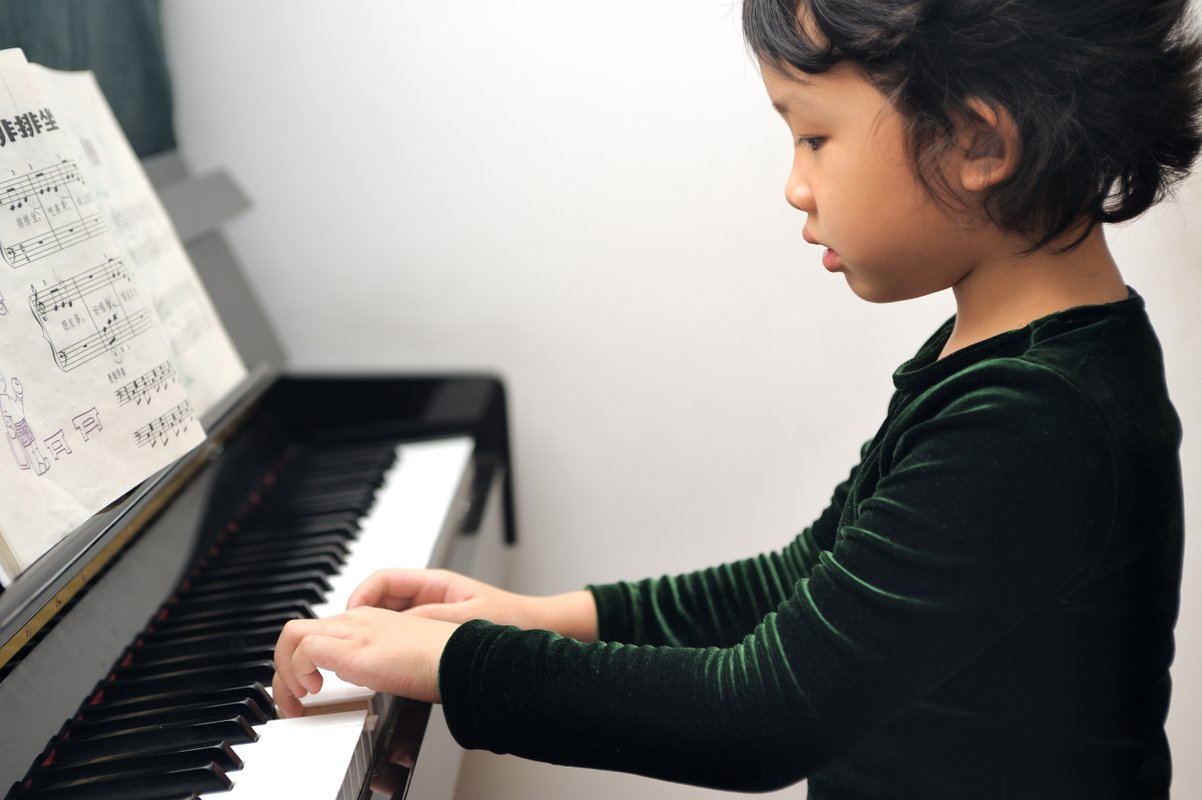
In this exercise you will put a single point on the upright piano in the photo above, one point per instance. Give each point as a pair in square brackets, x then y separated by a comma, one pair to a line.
[135, 657]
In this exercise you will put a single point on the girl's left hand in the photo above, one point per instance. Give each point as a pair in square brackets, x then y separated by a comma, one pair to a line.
[373, 647]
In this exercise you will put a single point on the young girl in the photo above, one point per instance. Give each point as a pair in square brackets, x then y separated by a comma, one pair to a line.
[985, 609]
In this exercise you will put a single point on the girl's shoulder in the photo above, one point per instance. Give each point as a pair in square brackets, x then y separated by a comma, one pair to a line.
[1089, 379]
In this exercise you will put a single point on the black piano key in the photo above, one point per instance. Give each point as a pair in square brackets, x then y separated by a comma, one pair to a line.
[346, 452]
[236, 637]
[147, 785]
[319, 483]
[201, 588]
[190, 680]
[254, 552]
[153, 738]
[250, 597]
[188, 712]
[352, 463]
[164, 632]
[277, 544]
[260, 554]
[298, 525]
[342, 522]
[104, 703]
[138, 669]
[340, 496]
[322, 563]
[189, 667]
[328, 458]
[324, 482]
[222, 755]
[297, 510]
[175, 616]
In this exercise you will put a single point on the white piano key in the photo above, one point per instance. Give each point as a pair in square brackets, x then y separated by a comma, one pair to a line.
[307, 758]
[406, 519]
[310, 756]
[401, 530]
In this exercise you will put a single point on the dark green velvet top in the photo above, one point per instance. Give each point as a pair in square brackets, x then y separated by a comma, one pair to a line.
[985, 609]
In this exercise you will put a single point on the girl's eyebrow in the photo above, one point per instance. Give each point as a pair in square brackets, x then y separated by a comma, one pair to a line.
[790, 98]
[784, 105]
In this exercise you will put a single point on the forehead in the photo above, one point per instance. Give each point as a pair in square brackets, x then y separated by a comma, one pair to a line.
[792, 91]
[788, 92]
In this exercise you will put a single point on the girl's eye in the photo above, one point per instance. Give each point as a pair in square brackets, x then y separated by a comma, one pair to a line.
[812, 142]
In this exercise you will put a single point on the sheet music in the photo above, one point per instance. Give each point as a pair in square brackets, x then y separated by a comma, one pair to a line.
[204, 358]
[90, 398]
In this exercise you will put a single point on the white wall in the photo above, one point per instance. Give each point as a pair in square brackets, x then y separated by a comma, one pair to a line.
[587, 199]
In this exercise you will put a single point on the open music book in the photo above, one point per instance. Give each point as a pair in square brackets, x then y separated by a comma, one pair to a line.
[110, 348]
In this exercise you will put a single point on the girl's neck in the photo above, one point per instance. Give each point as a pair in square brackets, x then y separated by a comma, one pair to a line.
[1010, 291]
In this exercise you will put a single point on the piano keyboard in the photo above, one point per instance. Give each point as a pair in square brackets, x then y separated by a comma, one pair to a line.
[185, 712]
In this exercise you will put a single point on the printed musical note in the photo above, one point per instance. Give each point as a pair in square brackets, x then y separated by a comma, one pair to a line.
[166, 426]
[139, 390]
[45, 211]
[86, 315]
[85, 250]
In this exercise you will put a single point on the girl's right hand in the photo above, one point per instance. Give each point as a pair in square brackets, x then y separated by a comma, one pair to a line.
[445, 595]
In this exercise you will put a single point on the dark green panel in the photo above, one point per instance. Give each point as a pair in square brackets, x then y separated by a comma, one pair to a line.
[120, 40]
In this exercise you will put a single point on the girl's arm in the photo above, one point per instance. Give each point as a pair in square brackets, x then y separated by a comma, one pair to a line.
[398, 653]
[992, 509]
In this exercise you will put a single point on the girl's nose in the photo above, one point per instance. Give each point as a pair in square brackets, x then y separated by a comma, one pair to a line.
[798, 192]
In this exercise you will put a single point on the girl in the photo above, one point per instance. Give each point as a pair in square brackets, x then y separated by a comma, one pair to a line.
[985, 609]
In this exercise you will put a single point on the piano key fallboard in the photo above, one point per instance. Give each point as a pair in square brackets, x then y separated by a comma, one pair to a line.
[300, 506]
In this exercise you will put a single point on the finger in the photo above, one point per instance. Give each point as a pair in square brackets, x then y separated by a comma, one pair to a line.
[371, 592]
[285, 701]
[338, 656]
[284, 646]
[291, 636]
[396, 589]
[304, 663]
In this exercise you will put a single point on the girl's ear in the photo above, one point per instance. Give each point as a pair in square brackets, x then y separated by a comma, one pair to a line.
[987, 146]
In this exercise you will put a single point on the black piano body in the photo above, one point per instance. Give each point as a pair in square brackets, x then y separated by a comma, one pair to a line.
[68, 622]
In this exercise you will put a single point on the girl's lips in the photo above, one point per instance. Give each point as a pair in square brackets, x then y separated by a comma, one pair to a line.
[830, 260]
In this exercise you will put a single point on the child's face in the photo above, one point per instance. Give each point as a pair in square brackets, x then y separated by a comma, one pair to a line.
[852, 176]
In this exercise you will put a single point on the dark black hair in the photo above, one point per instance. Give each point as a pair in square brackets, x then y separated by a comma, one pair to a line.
[1105, 93]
